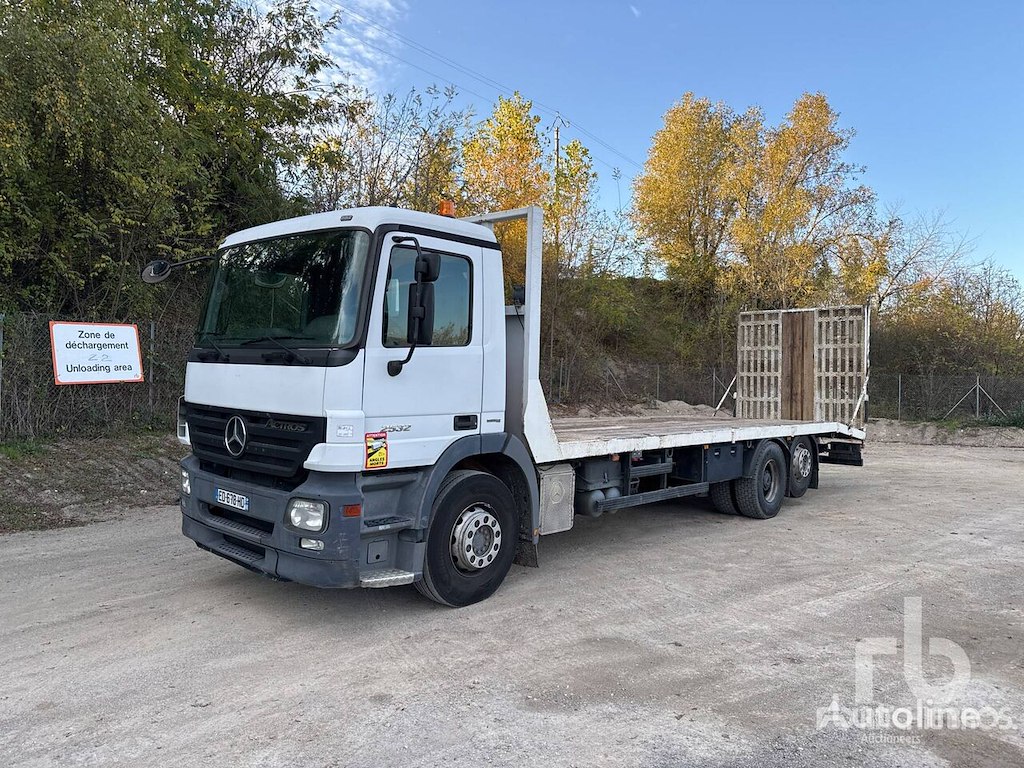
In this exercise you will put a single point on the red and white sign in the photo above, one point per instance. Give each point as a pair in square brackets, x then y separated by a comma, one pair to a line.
[95, 353]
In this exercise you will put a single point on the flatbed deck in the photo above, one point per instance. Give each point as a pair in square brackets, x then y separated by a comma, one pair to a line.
[580, 437]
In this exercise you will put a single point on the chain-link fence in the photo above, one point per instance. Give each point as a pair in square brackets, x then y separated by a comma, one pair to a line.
[911, 397]
[931, 397]
[31, 405]
[595, 380]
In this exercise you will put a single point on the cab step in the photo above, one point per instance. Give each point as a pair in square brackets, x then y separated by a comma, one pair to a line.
[391, 577]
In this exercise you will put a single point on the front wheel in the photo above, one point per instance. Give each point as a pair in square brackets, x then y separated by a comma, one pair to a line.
[472, 539]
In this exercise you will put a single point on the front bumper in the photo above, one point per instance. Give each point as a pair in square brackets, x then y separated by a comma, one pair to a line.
[259, 539]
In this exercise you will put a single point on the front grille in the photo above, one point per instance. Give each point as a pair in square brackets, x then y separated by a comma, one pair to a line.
[254, 478]
[269, 449]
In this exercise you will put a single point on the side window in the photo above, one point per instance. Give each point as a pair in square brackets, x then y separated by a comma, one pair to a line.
[452, 292]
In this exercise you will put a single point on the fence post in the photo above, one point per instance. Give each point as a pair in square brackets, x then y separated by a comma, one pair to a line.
[977, 395]
[152, 352]
[899, 397]
[657, 381]
[3, 318]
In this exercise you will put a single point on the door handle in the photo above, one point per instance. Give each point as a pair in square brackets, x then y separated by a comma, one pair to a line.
[465, 422]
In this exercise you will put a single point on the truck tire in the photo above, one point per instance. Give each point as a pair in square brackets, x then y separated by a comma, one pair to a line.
[472, 539]
[760, 496]
[801, 466]
[721, 498]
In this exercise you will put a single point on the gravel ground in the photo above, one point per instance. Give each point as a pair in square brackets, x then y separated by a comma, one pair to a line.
[662, 636]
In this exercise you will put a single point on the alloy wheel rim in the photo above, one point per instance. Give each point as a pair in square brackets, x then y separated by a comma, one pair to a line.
[476, 538]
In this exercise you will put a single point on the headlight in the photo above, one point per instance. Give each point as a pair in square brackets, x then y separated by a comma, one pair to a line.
[186, 484]
[307, 514]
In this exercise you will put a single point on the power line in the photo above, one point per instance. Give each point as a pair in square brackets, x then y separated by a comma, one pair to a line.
[409, 63]
[598, 158]
[490, 82]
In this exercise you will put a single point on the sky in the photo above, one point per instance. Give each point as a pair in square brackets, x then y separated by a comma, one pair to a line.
[933, 90]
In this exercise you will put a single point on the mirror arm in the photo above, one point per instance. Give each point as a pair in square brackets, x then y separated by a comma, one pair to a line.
[415, 244]
[395, 366]
[194, 260]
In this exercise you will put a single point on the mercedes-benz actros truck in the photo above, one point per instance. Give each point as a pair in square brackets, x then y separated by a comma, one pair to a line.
[364, 410]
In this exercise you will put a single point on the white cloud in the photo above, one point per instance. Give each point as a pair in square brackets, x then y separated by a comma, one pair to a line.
[361, 43]
[635, 10]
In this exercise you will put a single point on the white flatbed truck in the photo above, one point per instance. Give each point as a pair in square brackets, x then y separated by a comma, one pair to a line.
[364, 410]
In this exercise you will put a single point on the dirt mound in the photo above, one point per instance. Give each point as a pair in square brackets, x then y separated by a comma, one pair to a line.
[679, 408]
[927, 433]
[48, 485]
[669, 408]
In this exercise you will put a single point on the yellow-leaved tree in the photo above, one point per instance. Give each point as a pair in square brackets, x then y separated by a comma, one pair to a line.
[800, 220]
[503, 168]
[770, 215]
[686, 197]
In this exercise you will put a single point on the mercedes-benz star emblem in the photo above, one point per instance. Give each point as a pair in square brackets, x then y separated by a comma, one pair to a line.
[235, 436]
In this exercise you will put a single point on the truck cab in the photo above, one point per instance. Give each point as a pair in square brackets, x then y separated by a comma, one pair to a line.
[346, 363]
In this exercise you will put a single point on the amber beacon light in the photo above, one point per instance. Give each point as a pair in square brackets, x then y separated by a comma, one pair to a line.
[447, 208]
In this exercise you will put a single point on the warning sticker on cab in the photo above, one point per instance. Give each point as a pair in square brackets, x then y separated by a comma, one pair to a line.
[376, 450]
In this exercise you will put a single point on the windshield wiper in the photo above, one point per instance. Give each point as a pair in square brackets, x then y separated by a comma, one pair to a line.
[208, 338]
[292, 354]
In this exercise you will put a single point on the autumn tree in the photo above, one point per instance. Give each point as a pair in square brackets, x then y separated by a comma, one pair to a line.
[771, 213]
[686, 198]
[799, 210]
[916, 251]
[503, 168]
[971, 318]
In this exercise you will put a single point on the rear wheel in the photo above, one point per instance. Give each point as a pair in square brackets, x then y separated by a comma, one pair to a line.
[472, 538]
[801, 466]
[721, 497]
[760, 496]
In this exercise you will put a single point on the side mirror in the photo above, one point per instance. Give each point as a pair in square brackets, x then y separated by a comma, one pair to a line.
[421, 314]
[156, 271]
[159, 270]
[420, 330]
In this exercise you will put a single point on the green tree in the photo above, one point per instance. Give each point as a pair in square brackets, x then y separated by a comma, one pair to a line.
[133, 129]
[569, 223]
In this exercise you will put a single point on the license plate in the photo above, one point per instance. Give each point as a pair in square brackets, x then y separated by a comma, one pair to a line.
[231, 499]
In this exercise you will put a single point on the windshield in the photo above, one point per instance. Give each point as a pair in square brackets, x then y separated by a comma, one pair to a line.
[301, 290]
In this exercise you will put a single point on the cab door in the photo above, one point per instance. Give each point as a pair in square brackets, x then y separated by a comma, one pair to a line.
[436, 399]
